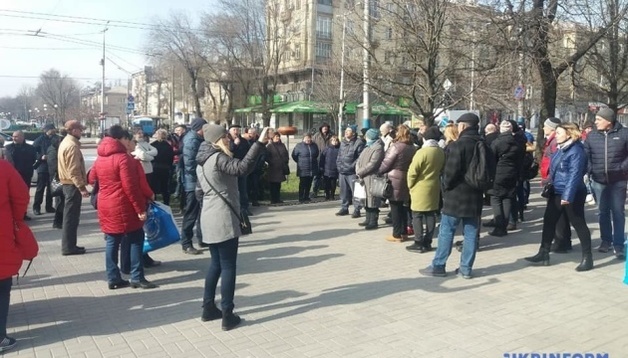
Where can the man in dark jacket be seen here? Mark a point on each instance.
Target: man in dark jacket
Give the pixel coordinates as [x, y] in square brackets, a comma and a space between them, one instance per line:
[254, 180]
[350, 149]
[321, 139]
[191, 213]
[41, 144]
[22, 156]
[461, 202]
[607, 152]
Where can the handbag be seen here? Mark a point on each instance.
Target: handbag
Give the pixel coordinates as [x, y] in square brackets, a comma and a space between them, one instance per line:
[245, 222]
[548, 190]
[381, 187]
[56, 188]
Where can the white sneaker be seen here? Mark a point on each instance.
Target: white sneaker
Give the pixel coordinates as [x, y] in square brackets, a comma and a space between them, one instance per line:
[589, 199]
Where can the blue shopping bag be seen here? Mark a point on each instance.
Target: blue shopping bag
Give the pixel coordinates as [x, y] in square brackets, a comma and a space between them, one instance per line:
[160, 229]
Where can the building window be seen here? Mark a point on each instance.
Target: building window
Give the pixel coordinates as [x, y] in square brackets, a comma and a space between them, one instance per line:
[323, 27]
[297, 5]
[350, 27]
[297, 52]
[325, 2]
[349, 4]
[323, 50]
[374, 9]
[389, 33]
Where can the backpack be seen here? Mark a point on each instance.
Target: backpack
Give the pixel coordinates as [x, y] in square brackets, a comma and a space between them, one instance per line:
[481, 169]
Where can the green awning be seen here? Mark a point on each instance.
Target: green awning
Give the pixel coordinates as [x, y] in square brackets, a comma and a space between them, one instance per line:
[302, 107]
[254, 109]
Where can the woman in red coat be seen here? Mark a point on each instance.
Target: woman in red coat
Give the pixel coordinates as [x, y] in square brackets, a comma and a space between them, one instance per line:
[14, 199]
[122, 203]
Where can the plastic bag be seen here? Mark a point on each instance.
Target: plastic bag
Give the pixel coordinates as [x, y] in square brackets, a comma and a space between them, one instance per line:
[160, 229]
[359, 192]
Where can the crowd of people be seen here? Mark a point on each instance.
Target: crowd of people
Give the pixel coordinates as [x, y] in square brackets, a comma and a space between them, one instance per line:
[217, 172]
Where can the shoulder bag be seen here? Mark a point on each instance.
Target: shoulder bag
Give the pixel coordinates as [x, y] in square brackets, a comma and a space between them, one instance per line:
[245, 223]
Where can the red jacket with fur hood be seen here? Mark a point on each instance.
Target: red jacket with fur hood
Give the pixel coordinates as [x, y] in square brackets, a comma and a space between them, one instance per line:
[123, 190]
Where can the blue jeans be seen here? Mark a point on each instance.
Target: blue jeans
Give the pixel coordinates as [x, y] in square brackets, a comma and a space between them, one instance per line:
[5, 295]
[448, 225]
[135, 240]
[223, 266]
[346, 192]
[611, 199]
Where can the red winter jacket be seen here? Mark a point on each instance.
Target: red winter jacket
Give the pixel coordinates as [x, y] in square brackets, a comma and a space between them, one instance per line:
[14, 199]
[123, 192]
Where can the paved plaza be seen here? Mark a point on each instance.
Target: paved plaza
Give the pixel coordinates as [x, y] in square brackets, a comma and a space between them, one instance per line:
[311, 284]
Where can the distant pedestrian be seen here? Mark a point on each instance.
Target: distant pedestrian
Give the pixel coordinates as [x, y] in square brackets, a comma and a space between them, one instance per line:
[162, 166]
[239, 147]
[329, 168]
[52, 162]
[41, 144]
[395, 166]
[305, 154]
[277, 158]
[350, 148]
[191, 214]
[321, 139]
[22, 156]
[425, 189]
[73, 176]
[366, 169]
[145, 153]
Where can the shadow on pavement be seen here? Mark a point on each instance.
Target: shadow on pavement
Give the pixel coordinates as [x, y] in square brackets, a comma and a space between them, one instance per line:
[352, 294]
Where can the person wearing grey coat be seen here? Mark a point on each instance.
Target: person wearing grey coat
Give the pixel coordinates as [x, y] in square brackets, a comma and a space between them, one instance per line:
[366, 168]
[217, 174]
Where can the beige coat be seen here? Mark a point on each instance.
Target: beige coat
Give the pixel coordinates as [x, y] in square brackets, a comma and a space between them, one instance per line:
[71, 164]
[424, 177]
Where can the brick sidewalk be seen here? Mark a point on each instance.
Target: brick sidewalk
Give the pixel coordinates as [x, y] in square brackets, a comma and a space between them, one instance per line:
[311, 284]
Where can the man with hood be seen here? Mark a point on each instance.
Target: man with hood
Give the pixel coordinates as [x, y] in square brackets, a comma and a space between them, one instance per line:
[350, 149]
[321, 139]
[461, 202]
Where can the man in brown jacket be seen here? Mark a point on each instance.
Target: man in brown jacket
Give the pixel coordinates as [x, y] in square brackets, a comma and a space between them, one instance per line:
[71, 168]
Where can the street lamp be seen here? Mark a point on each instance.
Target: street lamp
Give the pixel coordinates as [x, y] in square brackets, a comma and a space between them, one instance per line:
[342, 73]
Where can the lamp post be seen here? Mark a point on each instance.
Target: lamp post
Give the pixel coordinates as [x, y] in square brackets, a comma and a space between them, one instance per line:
[366, 107]
[342, 74]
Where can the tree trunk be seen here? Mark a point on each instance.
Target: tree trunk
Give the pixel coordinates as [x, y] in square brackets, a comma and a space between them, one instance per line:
[197, 100]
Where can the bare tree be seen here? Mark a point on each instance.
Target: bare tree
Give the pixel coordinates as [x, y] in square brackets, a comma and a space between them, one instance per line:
[251, 41]
[604, 70]
[59, 92]
[176, 39]
[534, 22]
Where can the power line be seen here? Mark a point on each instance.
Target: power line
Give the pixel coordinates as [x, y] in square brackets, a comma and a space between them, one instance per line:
[46, 48]
[92, 21]
[54, 77]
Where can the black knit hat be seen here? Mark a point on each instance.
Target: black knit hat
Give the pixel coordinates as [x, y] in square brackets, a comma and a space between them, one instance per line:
[432, 133]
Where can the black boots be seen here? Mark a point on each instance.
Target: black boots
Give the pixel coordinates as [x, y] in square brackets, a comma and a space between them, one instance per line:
[541, 257]
[210, 313]
[370, 220]
[586, 264]
[230, 320]
[372, 217]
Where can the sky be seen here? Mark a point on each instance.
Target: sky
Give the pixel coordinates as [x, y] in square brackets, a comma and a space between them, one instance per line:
[23, 57]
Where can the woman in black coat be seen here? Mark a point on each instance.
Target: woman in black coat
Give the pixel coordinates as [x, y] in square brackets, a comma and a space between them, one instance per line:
[329, 167]
[277, 158]
[306, 156]
[508, 162]
[51, 160]
[162, 166]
